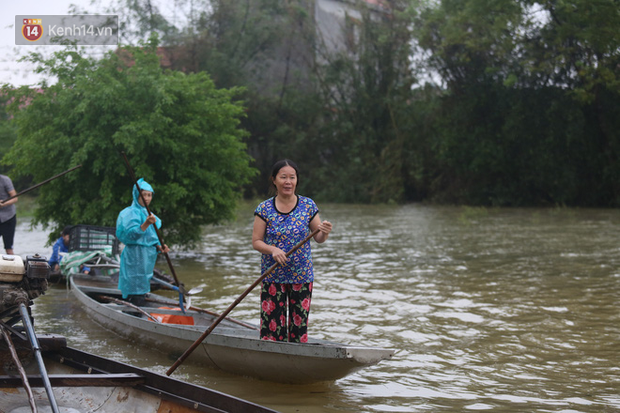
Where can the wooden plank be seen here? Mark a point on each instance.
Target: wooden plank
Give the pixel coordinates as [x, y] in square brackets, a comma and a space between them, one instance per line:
[77, 380]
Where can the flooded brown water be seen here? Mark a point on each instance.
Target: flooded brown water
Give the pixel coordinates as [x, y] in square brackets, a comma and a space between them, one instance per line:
[505, 310]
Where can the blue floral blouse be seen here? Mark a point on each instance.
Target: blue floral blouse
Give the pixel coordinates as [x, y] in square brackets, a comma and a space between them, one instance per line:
[285, 231]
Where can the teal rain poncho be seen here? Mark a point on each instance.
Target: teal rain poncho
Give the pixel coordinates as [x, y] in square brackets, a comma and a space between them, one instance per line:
[140, 252]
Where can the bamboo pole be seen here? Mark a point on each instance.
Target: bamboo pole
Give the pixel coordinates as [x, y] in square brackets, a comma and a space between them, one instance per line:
[42, 183]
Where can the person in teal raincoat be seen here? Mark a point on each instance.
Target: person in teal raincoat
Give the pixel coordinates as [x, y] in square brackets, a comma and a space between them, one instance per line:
[134, 228]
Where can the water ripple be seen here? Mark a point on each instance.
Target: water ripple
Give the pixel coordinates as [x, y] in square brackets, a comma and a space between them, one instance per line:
[507, 310]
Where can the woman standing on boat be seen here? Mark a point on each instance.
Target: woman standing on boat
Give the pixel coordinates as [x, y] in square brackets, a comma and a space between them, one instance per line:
[134, 228]
[280, 223]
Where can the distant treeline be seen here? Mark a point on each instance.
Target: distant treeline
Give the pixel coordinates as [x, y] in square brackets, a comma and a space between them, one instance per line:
[523, 107]
[482, 102]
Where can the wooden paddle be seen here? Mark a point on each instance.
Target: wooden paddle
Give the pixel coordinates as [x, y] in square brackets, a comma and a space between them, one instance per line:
[161, 241]
[233, 305]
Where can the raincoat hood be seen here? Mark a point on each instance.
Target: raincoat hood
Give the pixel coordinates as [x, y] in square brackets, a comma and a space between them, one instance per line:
[145, 186]
[128, 223]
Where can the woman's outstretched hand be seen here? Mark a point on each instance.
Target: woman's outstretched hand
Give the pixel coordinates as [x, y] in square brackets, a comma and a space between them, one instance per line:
[325, 227]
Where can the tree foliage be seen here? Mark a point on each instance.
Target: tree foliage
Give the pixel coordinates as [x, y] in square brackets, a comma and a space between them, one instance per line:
[178, 131]
[521, 120]
[482, 102]
[368, 89]
[7, 129]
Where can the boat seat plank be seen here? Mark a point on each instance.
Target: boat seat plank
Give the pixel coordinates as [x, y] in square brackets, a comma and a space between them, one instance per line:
[77, 380]
[126, 308]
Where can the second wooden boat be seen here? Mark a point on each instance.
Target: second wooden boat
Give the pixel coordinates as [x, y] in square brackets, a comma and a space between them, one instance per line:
[43, 374]
[84, 382]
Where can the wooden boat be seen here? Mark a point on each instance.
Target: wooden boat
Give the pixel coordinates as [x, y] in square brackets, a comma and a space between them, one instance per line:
[97, 250]
[90, 247]
[232, 346]
[83, 382]
[40, 373]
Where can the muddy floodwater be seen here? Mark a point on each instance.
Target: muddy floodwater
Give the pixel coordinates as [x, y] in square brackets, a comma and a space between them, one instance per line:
[503, 310]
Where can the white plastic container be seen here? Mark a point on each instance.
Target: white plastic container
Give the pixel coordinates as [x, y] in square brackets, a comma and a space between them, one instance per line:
[12, 268]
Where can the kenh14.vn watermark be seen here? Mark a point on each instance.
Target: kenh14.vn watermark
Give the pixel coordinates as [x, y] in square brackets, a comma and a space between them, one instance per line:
[78, 30]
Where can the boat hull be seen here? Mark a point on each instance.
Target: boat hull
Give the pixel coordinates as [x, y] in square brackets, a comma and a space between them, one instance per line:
[83, 382]
[230, 347]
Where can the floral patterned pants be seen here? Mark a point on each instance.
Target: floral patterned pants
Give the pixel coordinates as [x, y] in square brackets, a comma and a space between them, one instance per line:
[275, 299]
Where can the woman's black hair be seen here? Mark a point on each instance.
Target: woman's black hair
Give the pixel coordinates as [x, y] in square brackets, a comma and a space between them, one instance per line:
[279, 165]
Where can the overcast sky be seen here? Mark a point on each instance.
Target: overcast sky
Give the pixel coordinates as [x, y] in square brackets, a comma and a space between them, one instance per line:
[13, 72]
[20, 73]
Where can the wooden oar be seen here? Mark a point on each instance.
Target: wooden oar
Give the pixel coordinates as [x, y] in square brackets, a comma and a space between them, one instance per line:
[161, 241]
[41, 183]
[233, 305]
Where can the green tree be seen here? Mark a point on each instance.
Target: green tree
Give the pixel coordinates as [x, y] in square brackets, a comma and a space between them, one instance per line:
[337, 114]
[577, 48]
[7, 129]
[138, 19]
[525, 112]
[264, 46]
[521, 107]
[365, 85]
[472, 41]
[179, 132]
